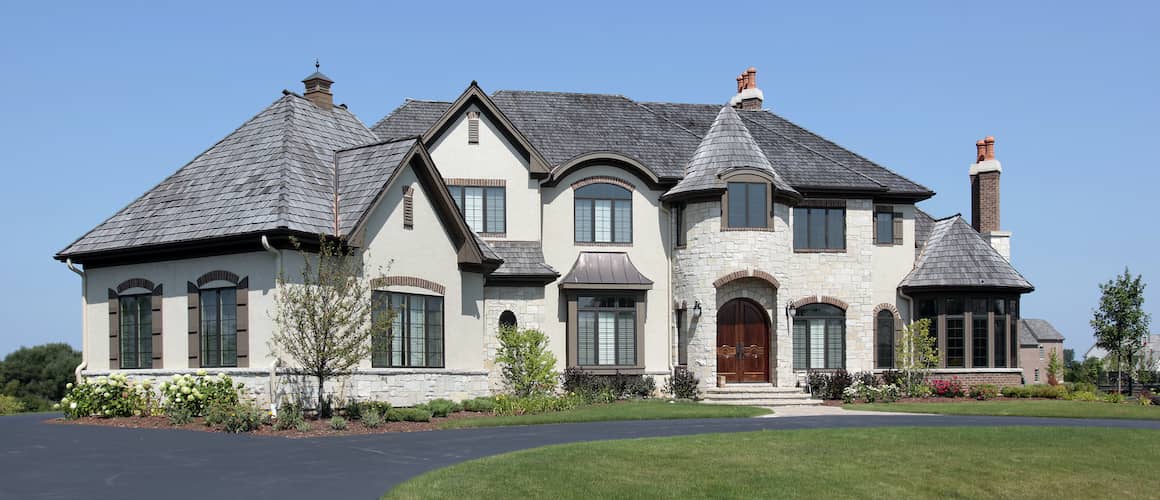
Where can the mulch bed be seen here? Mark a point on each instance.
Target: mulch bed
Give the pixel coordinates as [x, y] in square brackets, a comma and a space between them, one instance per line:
[838, 402]
[319, 428]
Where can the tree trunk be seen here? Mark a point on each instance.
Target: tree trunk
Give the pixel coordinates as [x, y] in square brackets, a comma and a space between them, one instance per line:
[321, 382]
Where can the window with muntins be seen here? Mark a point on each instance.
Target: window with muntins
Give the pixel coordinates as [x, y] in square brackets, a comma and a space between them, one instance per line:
[606, 331]
[679, 222]
[484, 208]
[682, 338]
[887, 226]
[819, 228]
[219, 327]
[884, 340]
[603, 214]
[819, 337]
[414, 336]
[956, 334]
[136, 317]
[748, 205]
[980, 352]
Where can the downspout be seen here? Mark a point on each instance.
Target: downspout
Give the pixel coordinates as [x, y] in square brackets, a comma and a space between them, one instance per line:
[910, 316]
[84, 321]
[273, 384]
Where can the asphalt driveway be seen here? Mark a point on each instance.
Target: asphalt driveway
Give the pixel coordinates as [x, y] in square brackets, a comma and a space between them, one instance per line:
[39, 460]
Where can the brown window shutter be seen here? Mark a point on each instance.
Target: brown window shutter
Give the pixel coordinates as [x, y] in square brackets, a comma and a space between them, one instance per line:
[155, 304]
[897, 228]
[408, 207]
[194, 344]
[243, 322]
[114, 330]
[473, 127]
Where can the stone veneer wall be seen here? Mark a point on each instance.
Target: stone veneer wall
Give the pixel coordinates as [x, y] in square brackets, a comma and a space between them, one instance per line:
[711, 253]
[528, 305]
[399, 386]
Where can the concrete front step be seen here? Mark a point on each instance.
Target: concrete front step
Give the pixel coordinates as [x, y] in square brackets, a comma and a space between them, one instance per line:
[764, 402]
[757, 388]
[756, 395]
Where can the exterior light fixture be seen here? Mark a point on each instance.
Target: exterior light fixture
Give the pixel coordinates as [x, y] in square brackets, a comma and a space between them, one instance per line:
[790, 311]
[696, 309]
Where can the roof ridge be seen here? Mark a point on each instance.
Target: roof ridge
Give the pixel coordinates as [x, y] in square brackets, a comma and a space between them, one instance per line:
[378, 143]
[283, 181]
[814, 151]
[561, 92]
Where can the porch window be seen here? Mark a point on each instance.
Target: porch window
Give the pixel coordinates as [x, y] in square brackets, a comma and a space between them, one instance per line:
[414, 337]
[884, 341]
[484, 208]
[606, 331]
[219, 327]
[819, 337]
[136, 317]
[603, 214]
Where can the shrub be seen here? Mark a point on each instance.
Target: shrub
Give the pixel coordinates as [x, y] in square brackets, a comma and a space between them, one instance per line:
[10, 405]
[1144, 400]
[1016, 391]
[1084, 387]
[479, 405]
[352, 410]
[198, 393]
[409, 415]
[952, 388]
[289, 416]
[371, 418]
[326, 410]
[1047, 391]
[382, 407]
[596, 388]
[683, 384]
[1114, 397]
[179, 416]
[511, 405]
[37, 376]
[111, 396]
[867, 378]
[338, 424]
[829, 384]
[984, 391]
[870, 393]
[304, 426]
[1083, 396]
[893, 377]
[528, 366]
[235, 417]
[440, 407]
[1151, 396]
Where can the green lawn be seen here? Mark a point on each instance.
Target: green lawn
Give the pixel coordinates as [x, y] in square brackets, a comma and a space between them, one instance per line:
[627, 410]
[1037, 408]
[954, 462]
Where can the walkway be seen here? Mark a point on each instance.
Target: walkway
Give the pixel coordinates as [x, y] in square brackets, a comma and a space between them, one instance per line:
[73, 461]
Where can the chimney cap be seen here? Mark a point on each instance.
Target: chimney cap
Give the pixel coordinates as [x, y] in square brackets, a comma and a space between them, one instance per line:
[317, 75]
[990, 139]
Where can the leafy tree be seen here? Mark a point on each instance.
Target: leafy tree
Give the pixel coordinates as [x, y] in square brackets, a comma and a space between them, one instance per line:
[916, 354]
[37, 375]
[1120, 323]
[528, 366]
[1090, 371]
[1054, 368]
[325, 323]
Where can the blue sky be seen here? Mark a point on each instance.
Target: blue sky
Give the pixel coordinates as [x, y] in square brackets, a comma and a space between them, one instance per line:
[102, 100]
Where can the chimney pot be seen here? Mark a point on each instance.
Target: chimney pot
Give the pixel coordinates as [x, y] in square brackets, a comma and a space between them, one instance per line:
[980, 150]
[990, 151]
[748, 97]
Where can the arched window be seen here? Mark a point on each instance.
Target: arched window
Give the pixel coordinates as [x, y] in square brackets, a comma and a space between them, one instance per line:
[135, 325]
[507, 319]
[819, 337]
[219, 314]
[884, 340]
[603, 214]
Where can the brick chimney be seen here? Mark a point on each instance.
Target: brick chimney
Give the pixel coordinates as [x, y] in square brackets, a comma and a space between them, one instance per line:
[985, 196]
[749, 97]
[318, 89]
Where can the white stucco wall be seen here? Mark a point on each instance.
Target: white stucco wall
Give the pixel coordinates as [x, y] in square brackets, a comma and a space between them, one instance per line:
[891, 263]
[492, 158]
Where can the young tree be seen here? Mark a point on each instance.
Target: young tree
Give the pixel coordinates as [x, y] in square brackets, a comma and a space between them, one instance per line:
[1054, 367]
[1120, 323]
[528, 366]
[916, 354]
[325, 323]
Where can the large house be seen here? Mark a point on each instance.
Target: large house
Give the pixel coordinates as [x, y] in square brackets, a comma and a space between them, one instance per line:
[639, 236]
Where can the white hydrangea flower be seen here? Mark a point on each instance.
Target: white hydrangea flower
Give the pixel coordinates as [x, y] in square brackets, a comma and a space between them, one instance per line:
[72, 406]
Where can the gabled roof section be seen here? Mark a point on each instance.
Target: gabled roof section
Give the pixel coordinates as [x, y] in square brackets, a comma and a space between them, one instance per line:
[274, 172]
[1032, 331]
[727, 146]
[411, 119]
[605, 271]
[955, 256]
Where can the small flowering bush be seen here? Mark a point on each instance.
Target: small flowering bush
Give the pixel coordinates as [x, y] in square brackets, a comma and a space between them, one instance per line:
[983, 392]
[196, 393]
[860, 390]
[952, 388]
[111, 396]
[236, 417]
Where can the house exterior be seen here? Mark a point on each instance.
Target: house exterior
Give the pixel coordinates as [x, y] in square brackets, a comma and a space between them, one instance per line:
[639, 236]
[1038, 339]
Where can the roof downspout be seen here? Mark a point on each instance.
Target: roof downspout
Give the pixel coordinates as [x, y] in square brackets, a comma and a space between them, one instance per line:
[84, 320]
[910, 314]
[273, 383]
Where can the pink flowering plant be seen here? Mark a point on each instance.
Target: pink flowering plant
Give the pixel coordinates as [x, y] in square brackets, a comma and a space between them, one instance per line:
[952, 388]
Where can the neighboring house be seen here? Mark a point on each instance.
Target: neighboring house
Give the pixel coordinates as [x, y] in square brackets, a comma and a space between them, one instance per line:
[1151, 350]
[1037, 340]
[638, 236]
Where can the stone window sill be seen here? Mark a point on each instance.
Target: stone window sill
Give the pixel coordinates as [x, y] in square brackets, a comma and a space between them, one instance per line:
[756, 229]
[602, 244]
[819, 250]
[493, 235]
[612, 370]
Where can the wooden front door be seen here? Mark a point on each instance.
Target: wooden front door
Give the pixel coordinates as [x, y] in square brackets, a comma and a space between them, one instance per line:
[742, 342]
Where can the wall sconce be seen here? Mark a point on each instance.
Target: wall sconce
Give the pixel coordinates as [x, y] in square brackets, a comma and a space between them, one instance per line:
[696, 309]
[790, 311]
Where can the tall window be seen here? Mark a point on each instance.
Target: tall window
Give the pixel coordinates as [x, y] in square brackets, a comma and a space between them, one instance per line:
[887, 226]
[980, 353]
[136, 316]
[819, 337]
[748, 205]
[819, 228]
[606, 333]
[956, 334]
[682, 338]
[219, 327]
[603, 214]
[884, 341]
[679, 222]
[482, 207]
[1000, 310]
[928, 309]
[414, 337]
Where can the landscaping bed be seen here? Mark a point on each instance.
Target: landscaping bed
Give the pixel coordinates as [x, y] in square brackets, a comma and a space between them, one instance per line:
[1012, 407]
[317, 428]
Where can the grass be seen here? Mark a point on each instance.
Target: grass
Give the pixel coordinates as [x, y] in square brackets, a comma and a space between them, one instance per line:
[1037, 408]
[974, 462]
[628, 410]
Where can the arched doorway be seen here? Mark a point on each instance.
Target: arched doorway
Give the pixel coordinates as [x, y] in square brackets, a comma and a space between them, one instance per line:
[742, 342]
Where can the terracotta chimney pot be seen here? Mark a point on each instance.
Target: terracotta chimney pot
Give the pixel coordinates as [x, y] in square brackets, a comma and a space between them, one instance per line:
[990, 143]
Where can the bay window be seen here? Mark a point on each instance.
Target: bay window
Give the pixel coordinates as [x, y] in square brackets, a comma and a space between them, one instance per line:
[606, 331]
[819, 337]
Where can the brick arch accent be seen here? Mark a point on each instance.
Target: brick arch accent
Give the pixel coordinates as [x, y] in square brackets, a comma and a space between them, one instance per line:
[385, 281]
[820, 299]
[135, 283]
[217, 275]
[747, 273]
[602, 179]
[887, 307]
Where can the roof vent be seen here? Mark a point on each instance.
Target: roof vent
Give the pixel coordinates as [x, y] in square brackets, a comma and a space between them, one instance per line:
[318, 89]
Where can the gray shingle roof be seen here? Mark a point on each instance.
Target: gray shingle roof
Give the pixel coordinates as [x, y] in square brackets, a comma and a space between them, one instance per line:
[1032, 331]
[726, 146]
[923, 224]
[955, 256]
[274, 171]
[362, 173]
[610, 269]
[521, 258]
[663, 137]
